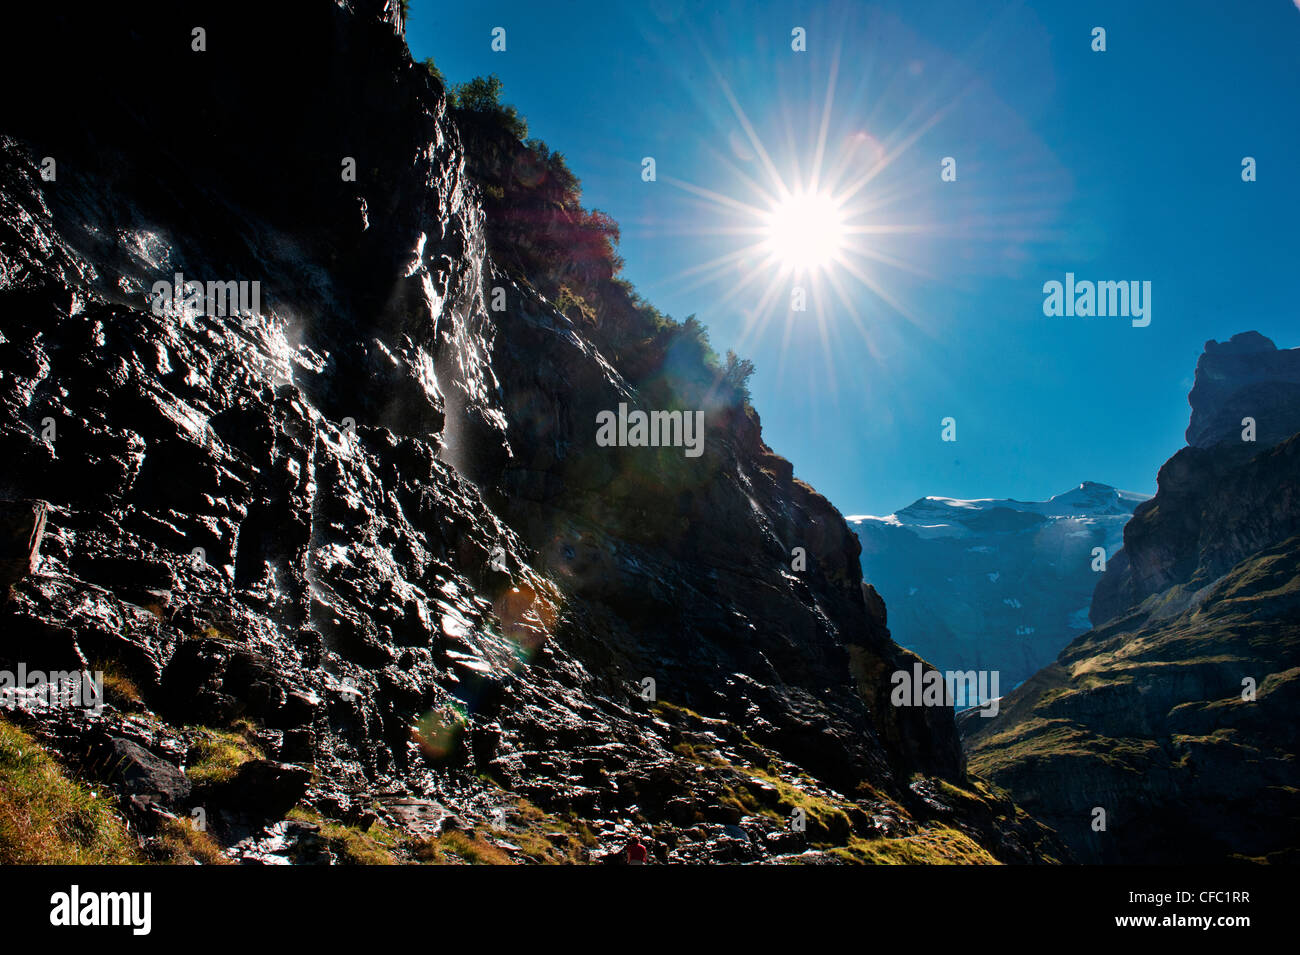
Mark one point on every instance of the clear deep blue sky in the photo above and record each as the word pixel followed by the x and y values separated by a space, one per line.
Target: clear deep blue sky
pixel 1117 165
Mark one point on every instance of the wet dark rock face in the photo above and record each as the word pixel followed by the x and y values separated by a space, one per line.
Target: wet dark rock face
pixel 368 523
pixel 1177 714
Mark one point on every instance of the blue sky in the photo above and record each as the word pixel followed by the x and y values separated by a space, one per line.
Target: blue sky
pixel 1122 165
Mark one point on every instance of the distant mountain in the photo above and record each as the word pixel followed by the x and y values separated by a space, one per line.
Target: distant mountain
pixel 992 584
pixel 1177 715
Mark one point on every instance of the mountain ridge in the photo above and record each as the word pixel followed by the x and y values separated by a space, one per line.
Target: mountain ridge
pixel 1175 715
pixel 1087 499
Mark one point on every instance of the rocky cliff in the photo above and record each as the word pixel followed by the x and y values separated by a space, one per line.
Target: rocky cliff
pixel 350 556
pixel 1245 377
pixel 1217 502
pixel 996 585
pixel 1176 716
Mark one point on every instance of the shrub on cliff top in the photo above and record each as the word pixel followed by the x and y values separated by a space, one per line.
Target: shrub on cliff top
pixel 482 95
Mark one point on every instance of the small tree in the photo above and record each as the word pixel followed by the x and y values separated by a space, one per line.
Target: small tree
pixel 482 95
pixel 694 337
pixel 736 373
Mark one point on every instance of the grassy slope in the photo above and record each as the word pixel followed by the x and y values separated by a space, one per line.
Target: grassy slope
pixel 47 818
pixel 1146 720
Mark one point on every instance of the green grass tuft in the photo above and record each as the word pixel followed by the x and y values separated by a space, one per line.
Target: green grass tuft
pixel 47 818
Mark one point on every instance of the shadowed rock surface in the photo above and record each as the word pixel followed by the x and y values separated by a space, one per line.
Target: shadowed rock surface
pixel 357 548
pixel 1246 376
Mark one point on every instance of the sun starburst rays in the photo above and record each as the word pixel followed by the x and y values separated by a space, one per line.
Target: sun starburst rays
pixel 825 228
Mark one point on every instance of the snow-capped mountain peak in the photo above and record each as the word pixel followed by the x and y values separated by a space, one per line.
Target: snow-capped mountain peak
pixel 947 516
pixel 993 583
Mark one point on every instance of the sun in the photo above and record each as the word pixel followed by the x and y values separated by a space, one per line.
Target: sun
pixel 819 236
pixel 805 231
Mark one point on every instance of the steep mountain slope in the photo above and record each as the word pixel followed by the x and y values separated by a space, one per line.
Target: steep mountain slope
pixel 1213 509
pixel 1177 715
pixel 353 557
pixel 996 585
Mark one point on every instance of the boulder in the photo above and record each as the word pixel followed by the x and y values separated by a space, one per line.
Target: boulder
pixel 263 787
pixel 135 771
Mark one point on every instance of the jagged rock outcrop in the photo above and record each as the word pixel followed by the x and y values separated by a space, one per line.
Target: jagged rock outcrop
pixel 993 585
pixel 359 536
pixel 1245 377
pixel 1177 714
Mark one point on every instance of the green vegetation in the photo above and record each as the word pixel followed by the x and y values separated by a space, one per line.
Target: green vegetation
pixel 574 305
pixel 540 837
pixel 755 791
pixel 1270 575
pixel 736 374
pixel 970 800
pixel 183 844
pixel 827 819
pixel 549 839
pixel 935 845
pixel 120 691
pixel 47 818
pixel 540 233
pixel 467 848
pixel 1037 738
pixel 216 755
pixel 669 710
pixel 482 95
pixel 840 826
pixel 351 845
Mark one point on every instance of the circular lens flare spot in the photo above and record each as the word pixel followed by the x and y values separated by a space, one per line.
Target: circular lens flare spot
pixel 805 231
